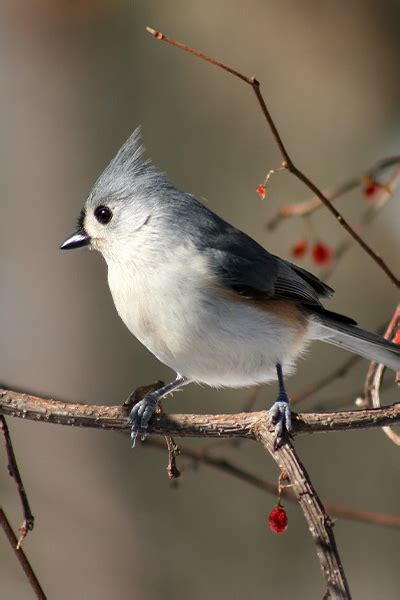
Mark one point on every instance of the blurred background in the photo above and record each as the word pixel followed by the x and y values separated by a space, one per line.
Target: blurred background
pixel 76 78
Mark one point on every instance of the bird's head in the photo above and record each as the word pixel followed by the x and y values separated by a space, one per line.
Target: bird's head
pixel 124 201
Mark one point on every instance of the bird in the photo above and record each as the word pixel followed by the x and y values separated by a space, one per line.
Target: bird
pixel 204 297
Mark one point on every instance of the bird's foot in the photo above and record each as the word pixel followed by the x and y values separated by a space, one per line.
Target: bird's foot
pixel 141 414
pixel 280 416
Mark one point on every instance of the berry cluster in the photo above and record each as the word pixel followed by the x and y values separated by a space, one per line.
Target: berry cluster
pixel 321 252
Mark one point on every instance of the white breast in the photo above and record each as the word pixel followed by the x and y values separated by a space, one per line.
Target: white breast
pixel 176 309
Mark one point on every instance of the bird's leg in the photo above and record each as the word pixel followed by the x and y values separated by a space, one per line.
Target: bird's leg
pixel 279 413
pixel 142 412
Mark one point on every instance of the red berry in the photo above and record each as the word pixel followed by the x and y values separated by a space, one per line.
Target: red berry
pixel 261 191
pixel 371 188
pixel 396 338
pixel 299 249
pixel 278 520
pixel 322 253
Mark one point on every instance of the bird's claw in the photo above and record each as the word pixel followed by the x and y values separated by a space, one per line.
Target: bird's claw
pixel 280 416
pixel 140 416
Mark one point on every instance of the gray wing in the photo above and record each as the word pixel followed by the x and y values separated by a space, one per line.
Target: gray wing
pixel 247 268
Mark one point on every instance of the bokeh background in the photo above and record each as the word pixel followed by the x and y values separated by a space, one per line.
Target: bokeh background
pixel 76 78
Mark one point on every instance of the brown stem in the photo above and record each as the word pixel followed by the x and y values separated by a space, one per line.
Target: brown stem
pixel 33 580
pixel 374 255
pixel 319 523
pixel 247 425
pixel 287 161
pixel 368 216
pixel 227 466
pixel 322 383
pixel 375 374
pixel 13 470
pixel 173 451
pixel 331 377
pixel 303 209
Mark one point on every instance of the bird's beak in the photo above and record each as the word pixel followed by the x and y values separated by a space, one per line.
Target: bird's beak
pixel 77 240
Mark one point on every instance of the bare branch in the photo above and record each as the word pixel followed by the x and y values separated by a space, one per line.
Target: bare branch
pixel 375 375
pixel 250 425
pixel 319 523
pixel 245 425
pixel 325 381
pixel 13 470
pixel 338 373
pixel 33 580
pixel 303 209
pixel 227 466
pixel 25 406
pixel 374 207
pixel 287 161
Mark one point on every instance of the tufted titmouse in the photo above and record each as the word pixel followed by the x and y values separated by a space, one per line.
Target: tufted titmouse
pixel 201 295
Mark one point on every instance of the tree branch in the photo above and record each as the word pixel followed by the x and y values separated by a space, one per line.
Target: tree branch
pixel 375 374
pixel 34 408
pixel 228 467
pixel 303 209
pixel 319 523
pixel 29 519
pixel 338 373
pixel 13 470
pixel 243 425
pixel 287 161
pixel 24 562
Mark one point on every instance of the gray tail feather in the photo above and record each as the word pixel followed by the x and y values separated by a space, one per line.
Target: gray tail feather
pixel 357 340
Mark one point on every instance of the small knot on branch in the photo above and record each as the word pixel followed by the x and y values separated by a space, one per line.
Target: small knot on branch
pixel 157 34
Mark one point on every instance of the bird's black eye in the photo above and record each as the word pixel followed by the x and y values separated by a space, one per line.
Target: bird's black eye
pixel 103 214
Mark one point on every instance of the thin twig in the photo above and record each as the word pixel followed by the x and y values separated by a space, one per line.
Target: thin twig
pixel 173 451
pixel 303 209
pixel 375 374
pixel 33 580
pixel 322 383
pixel 287 161
pixel 227 466
pixel 338 373
pixel 319 523
pixel 13 470
pixel 375 206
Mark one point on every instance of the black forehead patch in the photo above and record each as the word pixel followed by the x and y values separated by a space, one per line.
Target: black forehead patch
pixel 81 219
